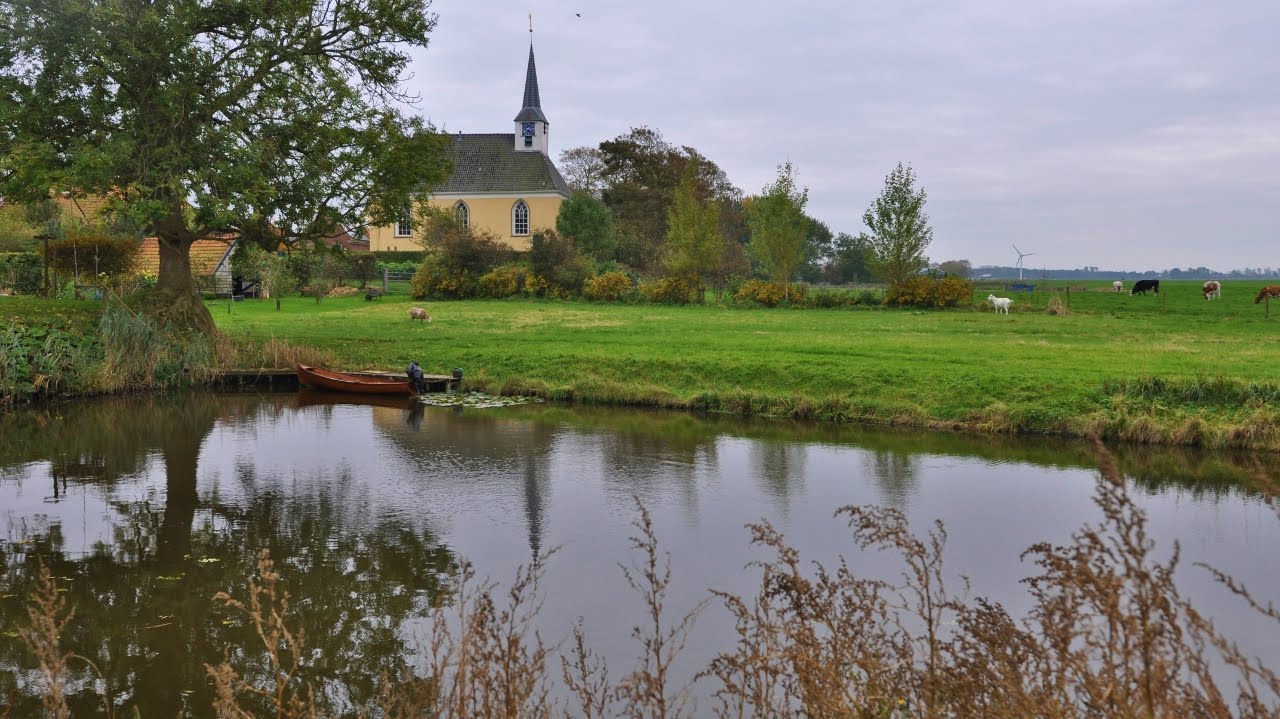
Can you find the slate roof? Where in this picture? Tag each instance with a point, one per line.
(490, 163)
(531, 110)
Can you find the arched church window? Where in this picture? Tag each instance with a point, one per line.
(462, 214)
(520, 218)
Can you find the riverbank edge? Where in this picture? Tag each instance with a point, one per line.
(1130, 422)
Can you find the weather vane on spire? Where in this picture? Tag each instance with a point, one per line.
(530, 22)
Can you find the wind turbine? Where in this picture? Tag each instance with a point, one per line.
(1021, 254)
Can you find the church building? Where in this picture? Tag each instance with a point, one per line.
(503, 183)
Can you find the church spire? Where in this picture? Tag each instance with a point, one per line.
(531, 124)
(531, 98)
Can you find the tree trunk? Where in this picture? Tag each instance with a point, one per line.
(175, 284)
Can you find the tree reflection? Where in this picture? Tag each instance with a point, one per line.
(143, 602)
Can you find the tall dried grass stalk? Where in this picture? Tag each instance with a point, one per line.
(650, 691)
(48, 613)
(287, 695)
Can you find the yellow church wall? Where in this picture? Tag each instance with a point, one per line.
(487, 212)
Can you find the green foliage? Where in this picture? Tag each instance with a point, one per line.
(899, 227)
(923, 291)
(959, 268)
(273, 272)
(364, 267)
(668, 290)
(768, 294)
(694, 245)
(461, 249)
(779, 226)
(411, 258)
(608, 287)
(829, 299)
(588, 223)
(555, 260)
(196, 116)
(141, 353)
(436, 278)
(23, 272)
(401, 266)
(40, 361)
(641, 173)
(504, 281)
(17, 234)
(93, 248)
(850, 261)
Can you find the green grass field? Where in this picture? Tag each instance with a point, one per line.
(1167, 369)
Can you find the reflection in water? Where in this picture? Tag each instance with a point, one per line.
(146, 507)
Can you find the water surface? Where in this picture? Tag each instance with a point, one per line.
(146, 507)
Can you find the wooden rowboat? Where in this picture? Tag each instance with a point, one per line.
(343, 382)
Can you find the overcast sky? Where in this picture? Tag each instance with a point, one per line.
(1126, 134)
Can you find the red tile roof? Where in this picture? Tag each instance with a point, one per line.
(206, 255)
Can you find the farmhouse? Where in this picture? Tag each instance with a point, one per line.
(505, 184)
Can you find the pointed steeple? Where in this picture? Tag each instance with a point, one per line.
(531, 110)
(531, 98)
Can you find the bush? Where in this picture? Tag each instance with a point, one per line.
(505, 281)
(435, 279)
(668, 290)
(921, 291)
(759, 292)
(826, 299)
(23, 272)
(404, 260)
(91, 249)
(609, 287)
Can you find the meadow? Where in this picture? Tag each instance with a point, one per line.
(1169, 369)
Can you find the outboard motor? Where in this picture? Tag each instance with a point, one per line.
(416, 377)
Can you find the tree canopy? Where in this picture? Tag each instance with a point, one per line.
(198, 116)
(779, 227)
(694, 245)
(899, 227)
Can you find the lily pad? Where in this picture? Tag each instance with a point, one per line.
(475, 400)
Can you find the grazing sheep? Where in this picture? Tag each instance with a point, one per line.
(1118, 286)
(417, 313)
(1000, 303)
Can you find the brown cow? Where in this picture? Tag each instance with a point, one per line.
(1212, 290)
(1268, 291)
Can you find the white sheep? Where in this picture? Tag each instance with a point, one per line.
(1000, 303)
(1118, 286)
(417, 313)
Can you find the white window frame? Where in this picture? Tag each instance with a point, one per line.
(404, 228)
(516, 218)
(462, 213)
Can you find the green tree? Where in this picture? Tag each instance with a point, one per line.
(694, 247)
(850, 261)
(641, 173)
(270, 270)
(199, 116)
(959, 268)
(779, 227)
(588, 222)
(899, 227)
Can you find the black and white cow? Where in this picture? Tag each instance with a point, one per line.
(1141, 286)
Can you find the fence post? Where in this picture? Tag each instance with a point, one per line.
(1268, 308)
(384, 280)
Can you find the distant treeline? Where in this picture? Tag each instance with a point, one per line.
(1096, 273)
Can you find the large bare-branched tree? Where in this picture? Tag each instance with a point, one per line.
(254, 116)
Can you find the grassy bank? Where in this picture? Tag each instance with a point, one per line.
(1170, 369)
